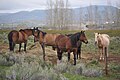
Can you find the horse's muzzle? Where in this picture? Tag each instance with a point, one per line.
(95, 42)
(86, 42)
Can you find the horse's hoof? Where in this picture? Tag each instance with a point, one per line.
(74, 64)
(59, 61)
(103, 58)
(100, 58)
(80, 58)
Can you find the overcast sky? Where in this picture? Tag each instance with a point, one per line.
(28, 5)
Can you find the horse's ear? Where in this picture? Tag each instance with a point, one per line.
(37, 28)
(34, 28)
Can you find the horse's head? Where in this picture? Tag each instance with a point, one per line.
(96, 37)
(35, 33)
(38, 35)
(83, 37)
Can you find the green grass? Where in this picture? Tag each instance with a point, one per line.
(89, 48)
(4, 31)
(89, 33)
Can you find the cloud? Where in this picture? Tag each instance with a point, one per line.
(18, 5)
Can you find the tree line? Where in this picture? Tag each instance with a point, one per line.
(61, 16)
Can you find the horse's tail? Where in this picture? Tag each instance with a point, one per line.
(10, 41)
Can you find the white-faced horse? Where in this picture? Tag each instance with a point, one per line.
(102, 40)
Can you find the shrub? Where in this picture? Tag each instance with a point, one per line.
(92, 72)
(32, 68)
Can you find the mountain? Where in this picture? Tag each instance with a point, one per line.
(22, 16)
(98, 12)
(40, 15)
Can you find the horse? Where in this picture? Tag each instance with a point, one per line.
(79, 44)
(19, 37)
(69, 44)
(45, 39)
(102, 41)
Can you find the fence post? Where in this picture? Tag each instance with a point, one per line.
(106, 61)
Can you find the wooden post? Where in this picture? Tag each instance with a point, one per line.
(106, 61)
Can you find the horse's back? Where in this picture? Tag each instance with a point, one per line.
(22, 37)
(59, 37)
(50, 39)
(61, 41)
(106, 35)
(18, 36)
(105, 40)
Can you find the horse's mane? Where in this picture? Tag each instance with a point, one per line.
(74, 38)
(44, 33)
(25, 29)
(21, 30)
(68, 35)
(106, 35)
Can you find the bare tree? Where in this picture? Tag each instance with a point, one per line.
(59, 15)
(80, 17)
(49, 17)
(90, 13)
(118, 14)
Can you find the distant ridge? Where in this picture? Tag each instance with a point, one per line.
(40, 15)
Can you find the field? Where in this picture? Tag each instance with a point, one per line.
(30, 66)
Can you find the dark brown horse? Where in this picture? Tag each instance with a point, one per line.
(69, 44)
(19, 37)
(45, 39)
(79, 44)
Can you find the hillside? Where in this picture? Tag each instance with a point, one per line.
(40, 15)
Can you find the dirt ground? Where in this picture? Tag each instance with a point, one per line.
(52, 56)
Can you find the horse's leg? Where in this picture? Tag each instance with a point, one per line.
(100, 53)
(74, 58)
(74, 53)
(103, 53)
(53, 48)
(59, 55)
(43, 48)
(79, 52)
(13, 46)
(68, 56)
(25, 44)
(107, 51)
(19, 47)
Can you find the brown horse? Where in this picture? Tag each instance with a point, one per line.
(19, 37)
(45, 39)
(69, 44)
(79, 44)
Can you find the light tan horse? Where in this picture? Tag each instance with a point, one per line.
(102, 41)
(45, 39)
